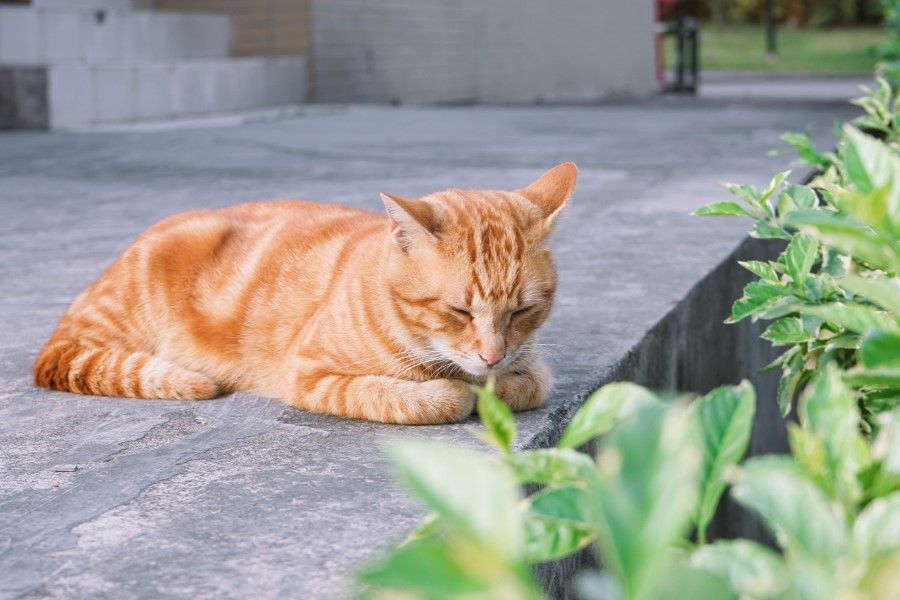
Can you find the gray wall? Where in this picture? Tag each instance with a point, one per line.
(691, 349)
(495, 51)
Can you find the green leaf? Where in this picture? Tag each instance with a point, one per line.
(753, 570)
(849, 237)
(556, 524)
(549, 539)
(683, 580)
(498, 419)
(882, 477)
(874, 168)
(796, 197)
(882, 401)
(846, 341)
(761, 269)
(747, 193)
(880, 348)
(766, 231)
(797, 512)
(426, 566)
(805, 149)
(855, 317)
(808, 450)
(883, 292)
(881, 378)
(552, 466)
(877, 528)
(785, 306)
(602, 410)
(791, 379)
(758, 297)
(428, 528)
(783, 360)
(560, 503)
(887, 445)
(466, 489)
(774, 184)
(800, 257)
(870, 164)
(722, 209)
(833, 262)
(645, 494)
(788, 330)
(597, 585)
(872, 208)
(802, 197)
(828, 409)
(726, 418)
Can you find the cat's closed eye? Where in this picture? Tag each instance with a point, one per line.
(460, 312)
(522, 310)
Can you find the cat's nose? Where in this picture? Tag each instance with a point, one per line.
(492, 359)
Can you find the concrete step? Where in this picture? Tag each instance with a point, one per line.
(83, 95)
(92, 4)
(79, 33)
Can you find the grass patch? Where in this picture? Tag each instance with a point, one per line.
(743, 48)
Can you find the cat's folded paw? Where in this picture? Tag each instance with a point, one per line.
(525, 389)
(446, 400)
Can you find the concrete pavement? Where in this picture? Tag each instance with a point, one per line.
(244, 497)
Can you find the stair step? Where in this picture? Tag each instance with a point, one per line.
(49, 35)
(215, 120)
(84, 95)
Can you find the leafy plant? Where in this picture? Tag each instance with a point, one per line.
(833, 293)
(660, 469)
(474, 543)
(822, 505)
(725, 416)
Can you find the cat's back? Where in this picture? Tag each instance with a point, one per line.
(204, 276)
(232, 236)
(209, 254)
(295, 216)
(220, 245)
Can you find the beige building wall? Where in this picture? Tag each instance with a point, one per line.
(490, 51)
(259, 27)
(450, 51)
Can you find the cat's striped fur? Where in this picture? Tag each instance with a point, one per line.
(333, 309)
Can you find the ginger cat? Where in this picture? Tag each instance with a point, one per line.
(333, 309)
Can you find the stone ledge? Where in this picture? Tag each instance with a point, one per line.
(81, 95)
(690, 349)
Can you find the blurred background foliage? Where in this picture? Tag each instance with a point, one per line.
(800, 13)
(813, 36)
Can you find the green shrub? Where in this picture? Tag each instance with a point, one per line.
(660, 470)
(661, 467)
(833, 293)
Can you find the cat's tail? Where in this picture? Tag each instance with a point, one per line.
(69, 366)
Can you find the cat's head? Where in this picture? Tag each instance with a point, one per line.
(470, 273)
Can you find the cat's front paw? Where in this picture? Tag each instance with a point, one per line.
(525, 388)
(446, 400)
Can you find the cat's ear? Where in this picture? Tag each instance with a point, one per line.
(410, 220)
(550, 192)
